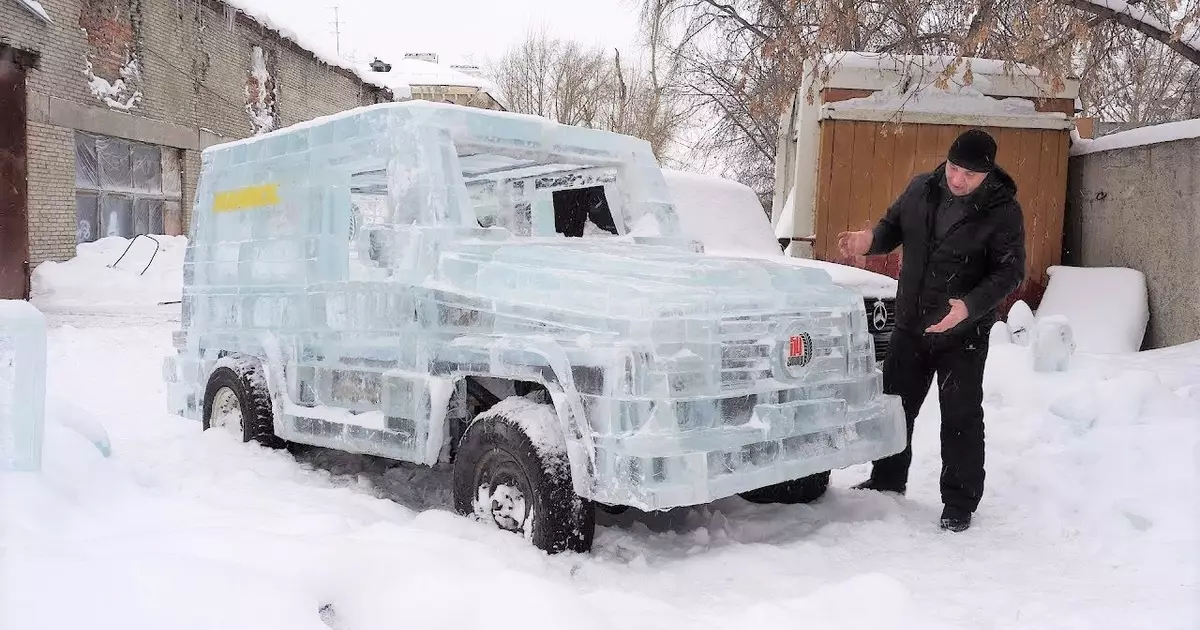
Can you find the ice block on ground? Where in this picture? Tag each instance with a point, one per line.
(22, 385)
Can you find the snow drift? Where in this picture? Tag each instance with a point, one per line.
(1106, 307)
(143, 277)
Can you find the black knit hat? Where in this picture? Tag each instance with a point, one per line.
(974, 150)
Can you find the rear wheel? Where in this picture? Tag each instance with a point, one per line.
(502, 477)
(236, 400)
(803, 490)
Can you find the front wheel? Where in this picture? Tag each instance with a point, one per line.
(502, 477)
(803, 490)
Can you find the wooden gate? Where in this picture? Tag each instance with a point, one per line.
(14, 211)
(865, 165)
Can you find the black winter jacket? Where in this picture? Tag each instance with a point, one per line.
(980, 260)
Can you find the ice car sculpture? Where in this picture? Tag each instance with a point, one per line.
(429, 282)
(22, 386)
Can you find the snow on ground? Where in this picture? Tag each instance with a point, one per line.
(1090, 520)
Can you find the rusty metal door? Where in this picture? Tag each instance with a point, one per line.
(14, 210)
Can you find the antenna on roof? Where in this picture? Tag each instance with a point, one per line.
(337, 31)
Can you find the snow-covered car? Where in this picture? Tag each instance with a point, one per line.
(728, 218)
(408, 280)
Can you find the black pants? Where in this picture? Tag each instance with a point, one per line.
(912, 360)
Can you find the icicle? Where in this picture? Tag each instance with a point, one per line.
(230, 17)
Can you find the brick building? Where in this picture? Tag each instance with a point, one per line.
(105, 106)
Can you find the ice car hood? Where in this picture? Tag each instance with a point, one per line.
(606, 277)
(869, 283)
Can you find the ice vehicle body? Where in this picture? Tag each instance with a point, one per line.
(433, 283)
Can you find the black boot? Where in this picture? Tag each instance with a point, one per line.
(955, 519)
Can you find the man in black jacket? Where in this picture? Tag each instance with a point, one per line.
(964, 251)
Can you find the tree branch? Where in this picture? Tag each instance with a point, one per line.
(1127, 20)
(732, 12)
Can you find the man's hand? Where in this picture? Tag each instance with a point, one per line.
(852, 244)
(958, 312)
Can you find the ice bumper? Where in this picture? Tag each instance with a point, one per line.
(796, 436)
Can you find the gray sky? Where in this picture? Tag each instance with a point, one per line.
(460, 31)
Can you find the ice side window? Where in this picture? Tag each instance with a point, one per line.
(371, 232)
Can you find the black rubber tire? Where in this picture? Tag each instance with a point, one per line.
(494, 449)
(803, 490)
(257, 417)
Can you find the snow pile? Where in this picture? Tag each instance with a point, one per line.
(1107, 307)
(88, 280)
(1111, 443)
(1141, 136)
(723, 214)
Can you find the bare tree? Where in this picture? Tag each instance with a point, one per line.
(743, 59)
(565, 82)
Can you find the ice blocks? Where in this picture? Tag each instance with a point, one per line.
(392, 264)
(22, 385)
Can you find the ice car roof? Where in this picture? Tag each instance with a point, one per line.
(525, 139)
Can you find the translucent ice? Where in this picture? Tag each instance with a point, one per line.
(22, 385)
(395, 265)
(1021, 323)
(1053, 344)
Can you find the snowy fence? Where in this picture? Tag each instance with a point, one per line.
(1134, 201)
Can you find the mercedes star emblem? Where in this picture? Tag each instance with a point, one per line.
(879, 315)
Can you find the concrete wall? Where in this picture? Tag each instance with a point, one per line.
(194, 66)
(1139, 207)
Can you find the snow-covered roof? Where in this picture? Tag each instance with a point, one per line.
(958, 104)
(993, 77)
(394, 82)
(419, 72)
(271, 14)
(1151, 134)
(935, 63)
(905, 90)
